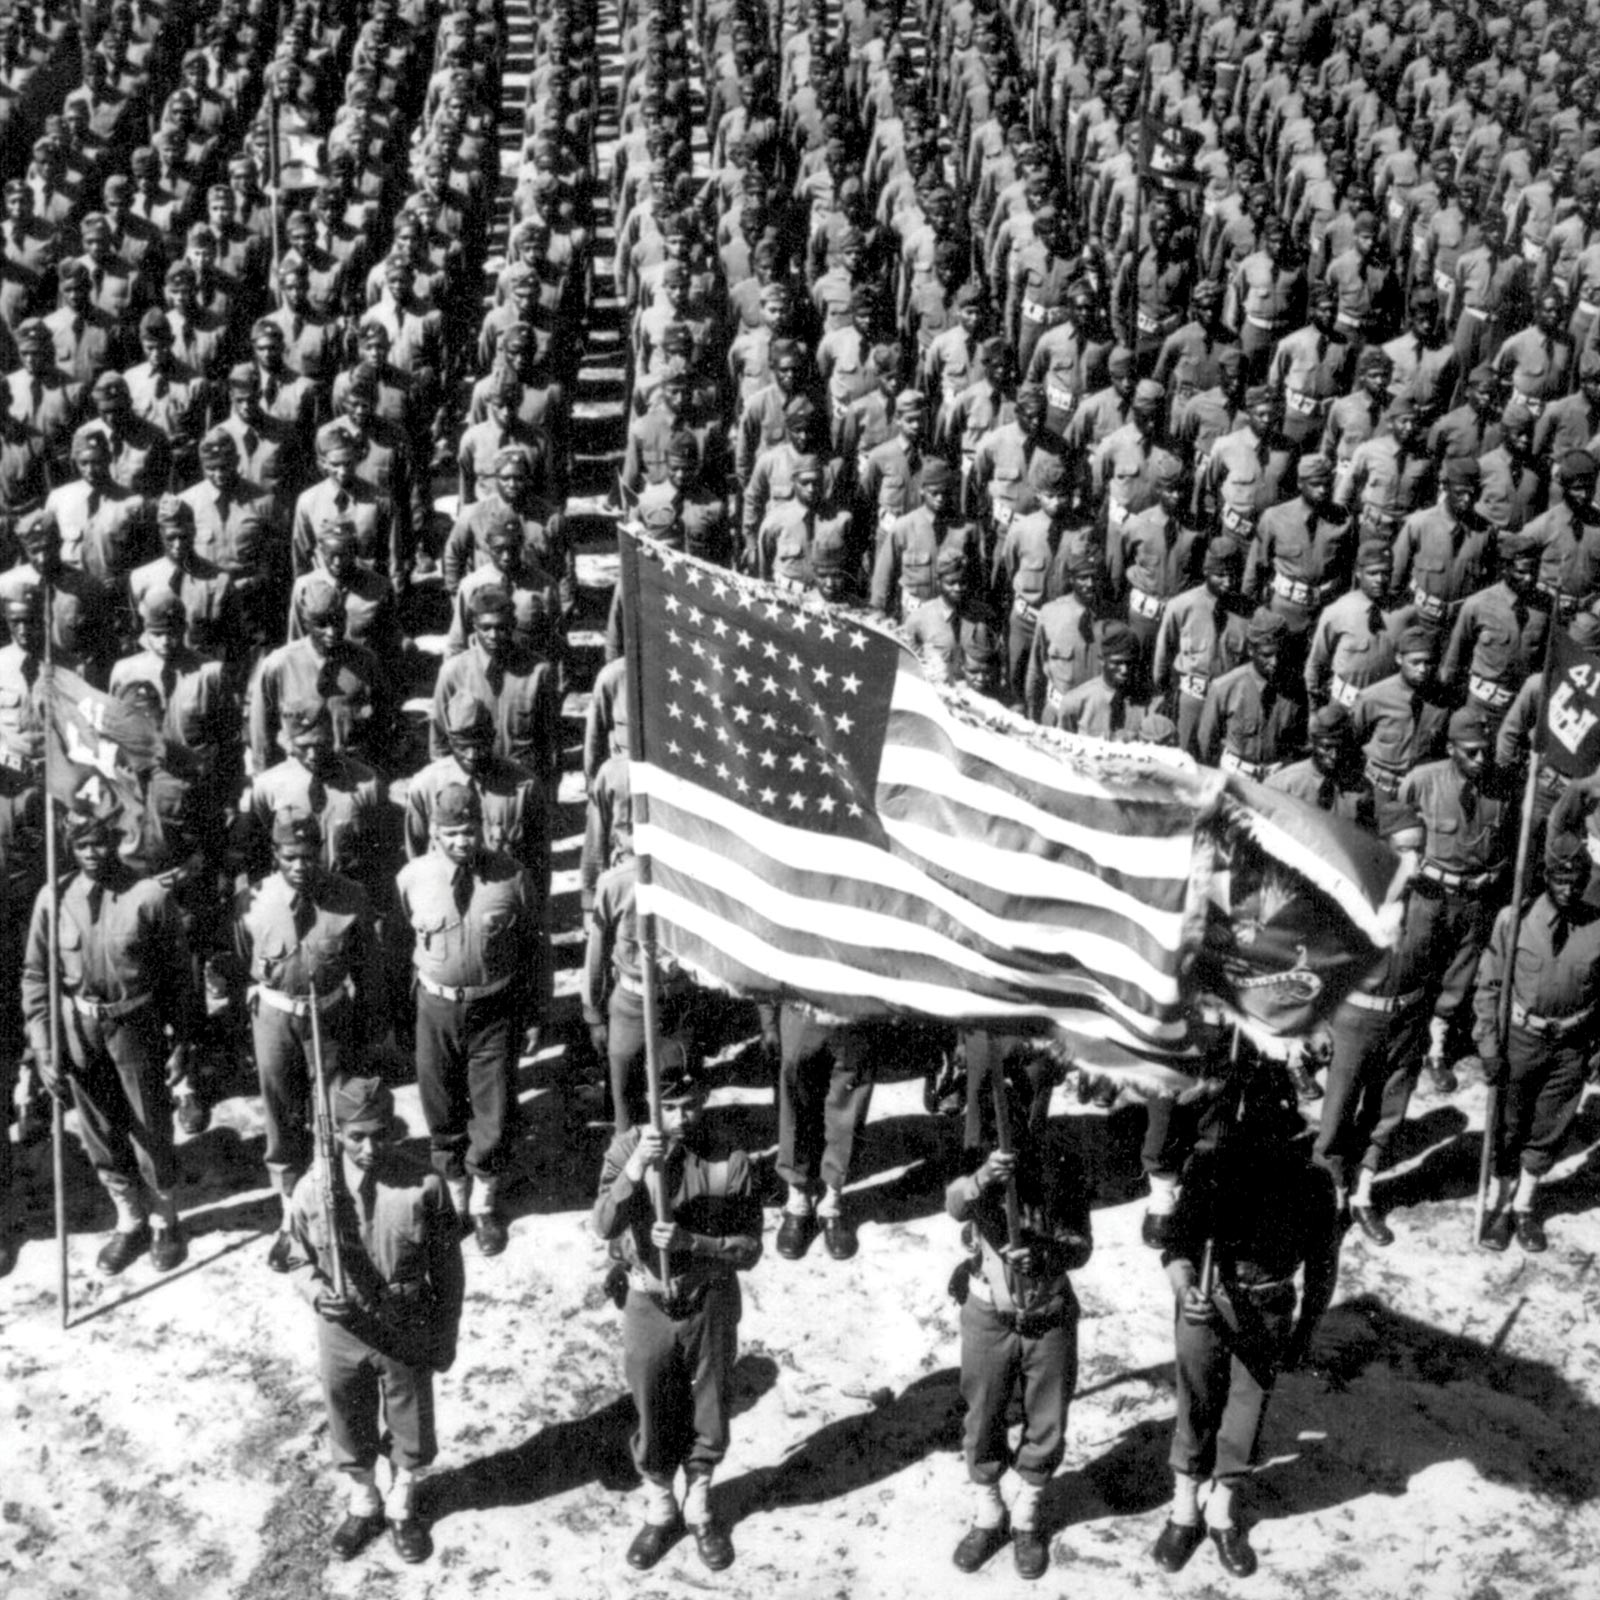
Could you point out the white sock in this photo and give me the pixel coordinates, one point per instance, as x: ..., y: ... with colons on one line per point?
x: 697, y: 1500
x: 398, y: 1503
x: 660, y: 1507
x: 1163, y: 1194
x: 988, y: 1509
x: 1363, y: 1194
x: 799, y: 1202
x: 1527, y: 1190
x: 460, y: 1194
x: 364, y: 1499
x: 1025, y: 1508
x: 483, y: 1196
x: 831, y: 1204
x: 1438, y: 1027
x: 1185, y: 1499
x: 1219, y: 1505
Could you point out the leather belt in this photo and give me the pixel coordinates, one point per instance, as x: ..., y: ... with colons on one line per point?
x: 296, y: 1005
x: 1552, y: 780
x: 1457, y: 882
x: 109, y: 1010
x: 1547, y: 1027
x: 462, y: 993
x: 1385, y: 1004
x: 1494, y: 695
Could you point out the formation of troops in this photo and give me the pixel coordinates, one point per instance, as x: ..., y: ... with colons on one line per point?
x: 1222, y: 375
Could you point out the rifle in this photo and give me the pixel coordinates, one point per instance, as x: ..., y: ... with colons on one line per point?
x: 327, y: 1149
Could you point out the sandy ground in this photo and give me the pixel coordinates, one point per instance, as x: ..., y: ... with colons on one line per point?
x: 171, y: 1446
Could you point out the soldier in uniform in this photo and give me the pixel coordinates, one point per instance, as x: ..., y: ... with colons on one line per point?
x: 1203, y: 634
x: 1555, y: 988
x: 1469, y: 820
x: 126, y: 1020
x: 1264, y: 1214
x: 397, y: 1322
x: 1353, y: 642
x: 955, y: 632
x: 1400, y: 720
x: 1332, y: 778
x: 1066, y: 640
x: 1019, y: 1319
x: 1115, y: 703
x: 1499, y: 636
x: 482, y: 971
x: 303, y: 927
x: 1252, y: 721
x: 679, y: 1336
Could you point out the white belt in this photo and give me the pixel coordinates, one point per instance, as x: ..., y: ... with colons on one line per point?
x: 1001, y: 510
x: 1444, y: 282
x: 1494, y: 695
x: 1385, y: 1003
x: 1259, y: 770
x: 1150, y: 324
x: 1307, y: 405
x: 1345, y: 320
x: 1534, y: 403
x: 1589, y: 308
x: 1546, y: 1027
x: 1345, y: 693
x: 1234, y: 519
x: 1477, y: 313
x: 1032, y: 311
x: 1058, y: 398
x: 1533, y: 251
x: 462, y: 992
x: 109, y: 1010
x: 1434, y: 607
x: 1295, y: 590
x: 1025, y: 608
x: 1147, y: 605
x: 296, y: 1005
x: 1193, y: 684
x: 1265, y: 324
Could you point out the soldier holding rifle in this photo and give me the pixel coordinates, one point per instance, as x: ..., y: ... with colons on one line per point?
x: 375, y: 1248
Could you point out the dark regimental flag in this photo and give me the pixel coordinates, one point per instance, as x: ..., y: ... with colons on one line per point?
x: 95, y: 741
x: 1570, y: 732
x: 816, y: 820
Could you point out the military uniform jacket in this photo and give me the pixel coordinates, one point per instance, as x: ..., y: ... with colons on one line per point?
x: 904, y: 573
x: 348, y: 799
x: 119, y: 941
x: 499, y: 935
x: 1397, y: 726
x: 1352, y: 647
x: 1473, y: 837
x: 336, y: 946
x: 349, y: 678
x: 1095, y: 709
x: 401, y: 1249
x: 1202, y: 636
x: 1497, y: 641
x: 521, y: 692
x: 1548, y: 983
x: 1152, y: 559
x: 962, y: 644
x: 1300, y: 558
x: 714, y: 1200
x: 515, y: 821
x: 1249, y: 724
x: 1347, y: 795
x: 1439, y: 561
x: 1053, y: 1207
x: 1065, y: 653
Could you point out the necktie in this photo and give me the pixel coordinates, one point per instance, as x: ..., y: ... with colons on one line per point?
x: 1119, y: 712
x: 1559, y: 929
x: 77, y: 328
x: 1469, y: 802
x: 461, y: 889
x: 1375, y: 620
x: 36, y: 390
x: 30, y: 670
x: 316, y: 795
x: 169, y: 682
x: 341, y: 501
x: 251, y: 440
x: 93, y: 502
x: 1326, y: 790
x: 97, y: 894
x: 269, y: 390
x: 163, y: 387
x: 304, y: 913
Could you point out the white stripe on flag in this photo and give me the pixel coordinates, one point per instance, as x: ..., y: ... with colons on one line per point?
x: 1181, y: 779
x: 1134, y: 854
x: 818, y: 975
x: 825, y: 920
x: 848, y: 858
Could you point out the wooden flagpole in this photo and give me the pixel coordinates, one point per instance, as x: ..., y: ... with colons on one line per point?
x: 58, y: 1130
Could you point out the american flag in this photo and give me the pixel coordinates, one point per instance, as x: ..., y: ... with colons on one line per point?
x: 817, y: 821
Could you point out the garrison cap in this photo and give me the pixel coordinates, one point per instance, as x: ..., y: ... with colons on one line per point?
x: 458, y: 806
x: 295, y: 827
x: 363, y: 1103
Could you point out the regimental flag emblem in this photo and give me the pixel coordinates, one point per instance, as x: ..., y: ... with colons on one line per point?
x: 1570, y: 731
